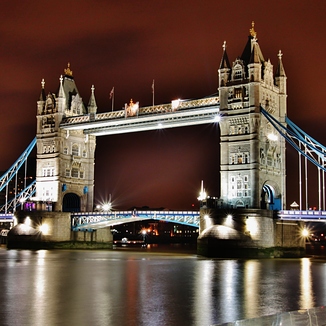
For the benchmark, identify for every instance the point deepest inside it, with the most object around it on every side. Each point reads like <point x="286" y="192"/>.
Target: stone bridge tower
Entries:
<point x="65" y="160"/>
<point x="252" y="154"/>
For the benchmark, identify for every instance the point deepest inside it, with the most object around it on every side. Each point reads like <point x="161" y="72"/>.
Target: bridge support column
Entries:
<point x="247" y="233"/>
<point x="52" y="230"/>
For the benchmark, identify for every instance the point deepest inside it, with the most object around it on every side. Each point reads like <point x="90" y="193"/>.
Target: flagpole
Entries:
<point x="113" y="100"/>
<point x="112" y="97"/>
<point x="153" y="91"/>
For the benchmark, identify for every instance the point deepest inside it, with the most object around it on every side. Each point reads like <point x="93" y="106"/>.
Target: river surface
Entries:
<point x="151" y="287"/>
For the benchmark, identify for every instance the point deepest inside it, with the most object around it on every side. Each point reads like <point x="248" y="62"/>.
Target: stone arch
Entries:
<point x="71" y="203"/>
<point x="239" y="204"/>
<point x="270" y="196"/>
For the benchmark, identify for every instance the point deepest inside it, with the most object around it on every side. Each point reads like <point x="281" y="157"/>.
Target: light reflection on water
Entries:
<point x="151" y="288"/>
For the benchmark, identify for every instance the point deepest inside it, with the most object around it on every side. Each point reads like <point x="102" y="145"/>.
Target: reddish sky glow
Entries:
<point x="127" y="44"/>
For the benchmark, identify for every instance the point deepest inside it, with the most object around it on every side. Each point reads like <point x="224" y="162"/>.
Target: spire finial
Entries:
<point x="252" y="31"/>
<point x="67" y="71"/>
<point x="61" y="79"/>
<point x="280" y="54"/>
<point x="43" y="83"/>
<point x="224" y="45"/>
<point x="92" y="88"/>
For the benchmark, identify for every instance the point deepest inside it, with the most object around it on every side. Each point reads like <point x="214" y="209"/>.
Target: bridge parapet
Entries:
<point x="306" y="215"/>
<point x="96" y="220"/>
<point x="161" y="108"/>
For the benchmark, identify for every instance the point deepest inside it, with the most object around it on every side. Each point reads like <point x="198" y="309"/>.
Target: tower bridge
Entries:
<point x="251" y="109"/>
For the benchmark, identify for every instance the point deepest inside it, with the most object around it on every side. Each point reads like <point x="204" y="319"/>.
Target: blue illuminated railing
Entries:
<point x="95" y="220"/>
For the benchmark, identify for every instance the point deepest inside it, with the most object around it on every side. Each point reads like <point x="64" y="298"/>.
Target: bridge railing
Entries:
<point x="94" y="220"/>
<point x="311" y="215"/>
<point x="161" y="108"/>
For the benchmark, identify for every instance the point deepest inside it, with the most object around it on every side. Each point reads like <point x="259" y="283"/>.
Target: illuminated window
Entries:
<point x="75" y="150"/>
<point x="238" y="93"/>
<point x="74" y="172"/>
<point x="238" y="74"/>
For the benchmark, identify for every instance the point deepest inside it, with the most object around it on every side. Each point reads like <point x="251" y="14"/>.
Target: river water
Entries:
<point x="151" y="287"/>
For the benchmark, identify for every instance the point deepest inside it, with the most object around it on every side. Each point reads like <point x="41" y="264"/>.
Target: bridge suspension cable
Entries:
<point x="306" y="146"/>
<point x="12" y="172"/>
<point x="25" y="194"/>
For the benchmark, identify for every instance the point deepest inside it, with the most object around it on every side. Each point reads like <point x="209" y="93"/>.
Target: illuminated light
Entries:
<point x="217" y="118"/>
<point x="144" y="232"/>
<point x="106" y="207"/>
<point x="44" y="228"/>
<point x="305" y="232"/>
<point x="202" y="194"/>
<point x="28" y="221"/>
<point x="272" y="137"/>
<point x="229" y="217"/>
<point x="206" y="216"/>
<point x="252" y="226"/>
<point x="160" y="125"/>
<point x="175" y="104"/>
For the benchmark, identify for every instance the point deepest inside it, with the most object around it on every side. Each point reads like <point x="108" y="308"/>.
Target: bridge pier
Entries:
<point x="52" y="230"/>
<point x="248" y="233"/>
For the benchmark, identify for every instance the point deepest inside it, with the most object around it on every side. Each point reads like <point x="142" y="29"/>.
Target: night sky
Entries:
<point x="125" y="45"/>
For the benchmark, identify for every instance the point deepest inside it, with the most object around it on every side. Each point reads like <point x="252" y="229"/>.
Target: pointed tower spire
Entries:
<point x="225" y="63"/>
<point x="42" y="95"/>
<point x="280" y="72"/>
<point x="255" y="57"/>
<point x="280" y="76"/>
<point x="61" y="92"/>
<point x="92" y="107"/>
<point x="42" y="98"/>
<point x="61" y="99"/>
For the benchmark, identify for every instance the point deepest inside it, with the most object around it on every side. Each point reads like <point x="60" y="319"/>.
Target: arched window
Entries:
<point x="75" y="150"/>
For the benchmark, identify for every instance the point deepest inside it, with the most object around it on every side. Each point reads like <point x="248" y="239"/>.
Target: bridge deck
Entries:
<point x="184" y="113"/>
<point x="95" y="220"/>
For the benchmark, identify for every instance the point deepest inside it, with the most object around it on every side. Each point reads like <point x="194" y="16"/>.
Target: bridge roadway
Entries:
<point x="95" y="220"/>
<point x="88" y="221"/>
<point x="176" y="114"/>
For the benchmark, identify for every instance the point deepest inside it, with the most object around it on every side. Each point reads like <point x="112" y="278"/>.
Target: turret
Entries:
<point x="41" y="101"/>
<point x="61" y="99"/>
<point x="92" y="107"/>
<point x="223" y="78"/>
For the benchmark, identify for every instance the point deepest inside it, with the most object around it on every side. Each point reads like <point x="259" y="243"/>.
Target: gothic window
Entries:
<point x="240" y="159"/>
<point x="77" y="105"/>
<point x="232" y="130"/>
<point x="74" y="172"/>
<point x="239" y="186"/>
<point x="67" y="173"/>
<point x="49" y="104"/>
<point x="84" y="153"/>
<point x="246" y="129"/>
<point x="81" y="174"/>
<point x="232" y="179"/>
<point x="246" y="158"/>
<point x="48" y="172"/>
<point x="232" y="159"/>
<point x="245" y="178"/>
<point x="239" y="130"/>
<point x="238" y="74"/>
<point x="238" y="93"/>
<point x="75" y="150"/>
<point x="65" y="150"/>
